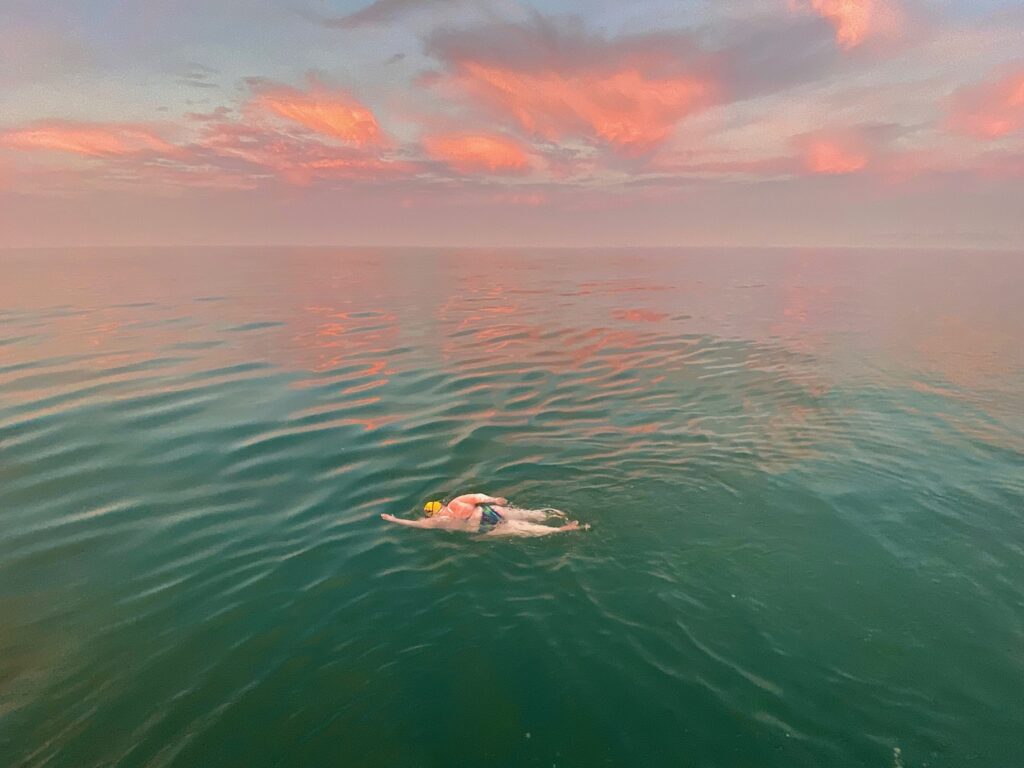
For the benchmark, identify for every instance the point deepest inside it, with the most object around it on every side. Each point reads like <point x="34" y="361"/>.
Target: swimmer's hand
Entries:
<point x="389" y="518"/>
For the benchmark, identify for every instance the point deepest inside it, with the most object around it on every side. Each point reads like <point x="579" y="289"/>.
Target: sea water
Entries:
<point x="804" y="471"/>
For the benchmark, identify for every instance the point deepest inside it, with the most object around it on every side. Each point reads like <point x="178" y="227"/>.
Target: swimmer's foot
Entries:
<point x="574" y="526"/>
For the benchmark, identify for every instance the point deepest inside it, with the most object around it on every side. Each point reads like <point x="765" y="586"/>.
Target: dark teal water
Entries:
<point x="804" y="471"/>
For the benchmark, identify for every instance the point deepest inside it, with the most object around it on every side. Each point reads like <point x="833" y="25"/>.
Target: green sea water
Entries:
<point x="804" y="472"/>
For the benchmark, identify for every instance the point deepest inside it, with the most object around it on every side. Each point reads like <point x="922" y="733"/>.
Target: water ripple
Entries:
<point x="807" y="546"/>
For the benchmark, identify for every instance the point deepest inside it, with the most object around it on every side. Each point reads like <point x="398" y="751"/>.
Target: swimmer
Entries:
<point x="490" y="515"/>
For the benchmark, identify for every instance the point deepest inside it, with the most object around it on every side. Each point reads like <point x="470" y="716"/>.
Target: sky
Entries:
<point x="792" y="123"/>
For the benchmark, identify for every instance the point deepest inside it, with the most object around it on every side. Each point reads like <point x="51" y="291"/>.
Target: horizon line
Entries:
<point x="536" y="247"/>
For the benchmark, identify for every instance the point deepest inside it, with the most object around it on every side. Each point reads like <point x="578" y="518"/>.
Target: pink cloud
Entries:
<point x="627" y="108"/>
<point x="855" y="21"/>
<point x="477" y="152"/>
<point x="842" y="151"/>
<point x="557" y="83"/>
<point x="89" y="139"/>
<point x="990" y="109"/>
<point x="297" y="160"/>
<point x="822" y="156"/>
<point x="225" y="153"/>
<point x="831" y="151"/>
<point x="326" y="111"/>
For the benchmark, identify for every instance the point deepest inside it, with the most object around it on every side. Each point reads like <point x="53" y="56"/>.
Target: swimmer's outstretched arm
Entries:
<point x="481" y="498"/>
<point x="426" y="523"/>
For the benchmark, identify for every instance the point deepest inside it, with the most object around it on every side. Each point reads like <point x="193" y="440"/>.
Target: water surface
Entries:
<point x="805" y="473"/>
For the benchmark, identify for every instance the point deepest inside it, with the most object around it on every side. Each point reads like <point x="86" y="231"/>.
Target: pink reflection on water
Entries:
<point x="639" y="315"/>
<point x="938" y="322"/>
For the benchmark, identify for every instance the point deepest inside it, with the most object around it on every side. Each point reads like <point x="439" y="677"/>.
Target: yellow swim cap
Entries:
<point x="432" y="507"/>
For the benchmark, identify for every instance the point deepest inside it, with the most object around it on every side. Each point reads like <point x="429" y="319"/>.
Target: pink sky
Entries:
<point x="469" y="122"/>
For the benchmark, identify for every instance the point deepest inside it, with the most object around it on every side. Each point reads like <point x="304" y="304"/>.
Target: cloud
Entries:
<point x="840" y="151"/>
<point x="833" y="157"/>
<point x="327" y="111"/>
<point x="552" y="80"/>
<point x="557" y="83"/>
<point x="870" y="149"/>
<point x="628" y="108"/>
<point x="198" y="76"/>
<point x="385" y="11"/>
<point x="257" y="150"/>
<point x="851" y="19"/>
<point x="219" y="113"/>
<point x="855" y="21"/>
<point x="82" y="138"/>
<point x="297" y="136"/>
<point x="762" y="56"/>
<point x="990" y="109"/>
<point x="477" y="152"/>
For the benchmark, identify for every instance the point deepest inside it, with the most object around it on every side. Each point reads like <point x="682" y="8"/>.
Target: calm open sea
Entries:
<point x="804" y="471"/>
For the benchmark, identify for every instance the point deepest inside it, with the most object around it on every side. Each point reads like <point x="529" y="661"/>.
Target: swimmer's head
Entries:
<point x="431" y="508"/>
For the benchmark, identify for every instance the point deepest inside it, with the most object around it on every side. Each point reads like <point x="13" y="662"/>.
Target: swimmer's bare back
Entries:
<point x="488" y="515"/>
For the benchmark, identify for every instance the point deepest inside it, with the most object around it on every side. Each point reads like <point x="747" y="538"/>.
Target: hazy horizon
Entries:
<point x="427" y="248"/>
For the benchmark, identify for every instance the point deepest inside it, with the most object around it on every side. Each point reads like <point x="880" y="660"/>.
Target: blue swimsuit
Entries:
<point x="489" y="518"/>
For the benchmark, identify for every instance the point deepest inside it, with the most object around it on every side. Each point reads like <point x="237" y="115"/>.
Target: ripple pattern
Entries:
<point x="808" y="546"/>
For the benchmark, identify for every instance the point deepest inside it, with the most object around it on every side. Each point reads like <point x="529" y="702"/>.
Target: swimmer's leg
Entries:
<point x="514" y="513"/>
<point x="536" y="515"/>
<point x="552" y="512"/>
<point x="525" y="528"/>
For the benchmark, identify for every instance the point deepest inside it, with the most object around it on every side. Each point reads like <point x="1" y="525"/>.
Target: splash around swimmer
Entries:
<point x="489" y="515"/>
